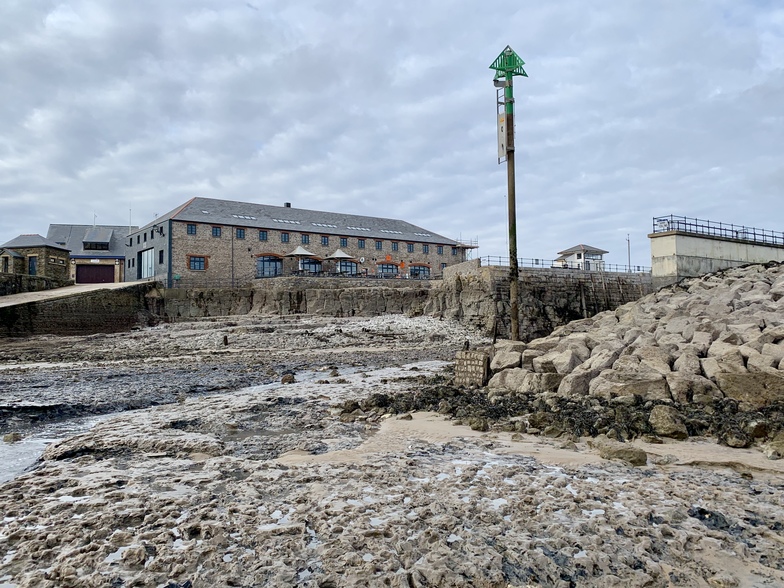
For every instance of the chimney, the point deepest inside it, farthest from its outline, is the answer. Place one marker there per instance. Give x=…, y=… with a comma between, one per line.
x=287, y=205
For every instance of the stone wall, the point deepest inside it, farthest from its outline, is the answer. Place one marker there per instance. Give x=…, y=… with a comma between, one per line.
x=100, y=311
x=17, y=284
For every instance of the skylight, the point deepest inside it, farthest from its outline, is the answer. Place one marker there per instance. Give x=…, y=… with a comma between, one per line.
x=282, y=220
x=358, y=228
x=423, y=234
x=246, y=217
x=324, y=225
x=391, y=232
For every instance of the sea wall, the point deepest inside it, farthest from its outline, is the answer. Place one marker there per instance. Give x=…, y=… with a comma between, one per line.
x=99, y=311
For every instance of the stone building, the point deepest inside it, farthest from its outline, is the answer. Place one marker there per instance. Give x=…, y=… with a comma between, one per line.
x=582, y=257
x=34, y=255
x=97, y=251
x=213, y=242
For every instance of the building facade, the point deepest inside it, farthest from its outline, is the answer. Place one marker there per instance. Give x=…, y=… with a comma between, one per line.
x=219, y=243
x=34, y=255
x=582, y=257
x=97, y=251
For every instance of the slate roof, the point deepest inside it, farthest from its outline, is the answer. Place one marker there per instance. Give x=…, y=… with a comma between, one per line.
x=23, y=241
x=264, y=216
x=10, y=253
x=581, y=249
x=75, y=236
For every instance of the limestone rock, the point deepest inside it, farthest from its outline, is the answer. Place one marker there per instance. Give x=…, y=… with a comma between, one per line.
x=527, y=360
x=510, y=380
x=752, y=390
x=667, y=422
x=685, y=387
x=534, y=383
x=623, y=452
x=688, y=363
x=505, y=359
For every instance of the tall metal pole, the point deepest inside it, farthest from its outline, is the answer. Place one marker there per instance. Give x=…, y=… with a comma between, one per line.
x=514, y=272
x=508, y=64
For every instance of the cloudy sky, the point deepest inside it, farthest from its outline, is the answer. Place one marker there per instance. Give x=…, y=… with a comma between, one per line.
x=631, y=110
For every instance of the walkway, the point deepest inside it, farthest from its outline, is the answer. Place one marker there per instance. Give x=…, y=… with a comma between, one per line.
x=25, y=297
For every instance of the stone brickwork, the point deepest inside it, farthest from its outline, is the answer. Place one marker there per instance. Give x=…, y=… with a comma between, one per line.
x=17, y=284
x=472, y=368
x=230, y=260
x=50, y=262
x=100, y=311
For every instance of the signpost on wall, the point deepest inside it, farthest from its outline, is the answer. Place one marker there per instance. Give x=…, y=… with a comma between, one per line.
x=507, y=65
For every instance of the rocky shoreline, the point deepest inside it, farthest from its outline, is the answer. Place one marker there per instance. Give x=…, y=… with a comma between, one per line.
x=370, y=468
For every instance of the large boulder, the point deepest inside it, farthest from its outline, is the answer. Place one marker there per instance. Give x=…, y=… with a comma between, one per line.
x=534, y=383
x=556, y=362
x=687, y=388
x=505, y=359
x=667, y=422
x=752, y=390
x=509, y=380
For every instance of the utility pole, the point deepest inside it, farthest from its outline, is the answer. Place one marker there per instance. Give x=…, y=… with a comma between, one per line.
x=628, y=253
x=507, y=65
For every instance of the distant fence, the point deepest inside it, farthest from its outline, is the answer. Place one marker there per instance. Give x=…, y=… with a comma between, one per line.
x=696, y=226
x=590, y=265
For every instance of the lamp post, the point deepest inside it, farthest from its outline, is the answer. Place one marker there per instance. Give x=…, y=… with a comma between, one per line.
x=507, y=65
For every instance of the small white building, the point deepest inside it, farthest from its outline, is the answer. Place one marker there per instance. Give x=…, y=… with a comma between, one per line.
x=582, y=257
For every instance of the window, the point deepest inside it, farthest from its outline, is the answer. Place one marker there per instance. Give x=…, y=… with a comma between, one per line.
x=129, y=263
x=160, y=256
x=419, y=271
x=324, y=240
x=145, y=237
x=216, y=231
x=147, y=263
x=130, y=242
x=425, y=248
x=268, y=266
x=347, y=267
x=284, y=237
x=305, y=238
x=262, y=235
x=311, y=266
x=454, y=250
x=152, y=234
x=95, y=246
x=138, y=239
x=579, y=256
x=394, y=245
x=191, y=229
x=443, y=265
x=387, y=269
x=197, y=263
x=410, y=247
x=440, y=249
x=379, y=245
x=361, y=243
x=343, y=242
x=240, y=233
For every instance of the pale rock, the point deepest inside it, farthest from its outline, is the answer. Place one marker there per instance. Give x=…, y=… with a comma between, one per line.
x=729, y=363
x=756, y=362
x=560, y=362
x=535, y=383
x=577, y=345
x=702, y=341
x=685, y=387
x=655, y=358
x=612, y=450
x=527, y=360
x=775, y=352
x=774, y=449
x=746, y=331
x=724, y=345
x=509, y=380
x=667, y=422
x=509, y=345
x=678, y=324
x=752, y=390
x=504, y=360
x=544, y=344
x=688, y=363
x=644, y=382
x=577, y=383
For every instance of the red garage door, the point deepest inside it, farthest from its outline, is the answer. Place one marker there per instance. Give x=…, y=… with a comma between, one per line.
x=94, y=274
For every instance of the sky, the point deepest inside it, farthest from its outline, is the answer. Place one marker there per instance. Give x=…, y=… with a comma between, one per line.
x=114, y=111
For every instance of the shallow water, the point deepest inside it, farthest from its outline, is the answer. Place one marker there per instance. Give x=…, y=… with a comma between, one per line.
x=16, y=458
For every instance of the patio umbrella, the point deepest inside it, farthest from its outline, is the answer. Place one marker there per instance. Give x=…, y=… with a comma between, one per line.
x=339, y=254
x=300, y=253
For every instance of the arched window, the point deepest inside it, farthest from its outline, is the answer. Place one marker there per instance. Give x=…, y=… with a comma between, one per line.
x=268, y=266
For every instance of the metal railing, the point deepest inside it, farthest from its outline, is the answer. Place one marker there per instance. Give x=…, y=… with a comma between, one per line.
x=357, y=276
x=589, y=265
x=696, y=226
